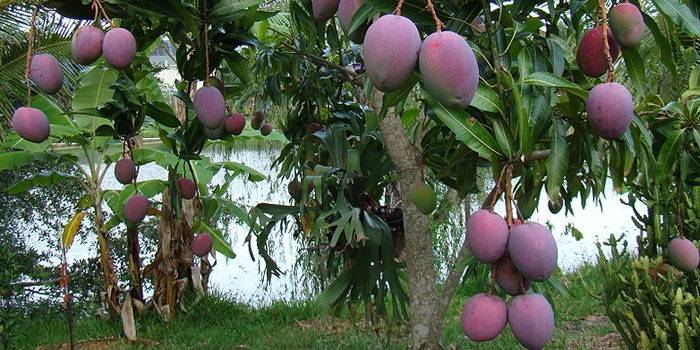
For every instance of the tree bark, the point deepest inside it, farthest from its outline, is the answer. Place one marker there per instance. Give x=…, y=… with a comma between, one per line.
x=418, y=254
x=109, y=277
x=132, y=237
x=170, y=268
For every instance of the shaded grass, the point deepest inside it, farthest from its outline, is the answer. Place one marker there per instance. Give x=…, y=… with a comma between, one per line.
x=218, y=322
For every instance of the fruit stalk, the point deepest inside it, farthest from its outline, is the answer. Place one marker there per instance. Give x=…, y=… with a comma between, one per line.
x=509, y=194
x=497, y=65
x=398, y=8
x=30, y=43
x=492, y=198
x=679, y=189
x=205, y=29
x=104, y=13
x=438, y=23
x=606, y=47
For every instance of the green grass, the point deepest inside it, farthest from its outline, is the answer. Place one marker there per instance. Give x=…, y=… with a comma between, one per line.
x=218, y=322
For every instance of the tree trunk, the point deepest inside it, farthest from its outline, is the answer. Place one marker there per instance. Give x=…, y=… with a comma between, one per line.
x=170, y=268
x=132, y=237
x=418, y=254
x=109, y=277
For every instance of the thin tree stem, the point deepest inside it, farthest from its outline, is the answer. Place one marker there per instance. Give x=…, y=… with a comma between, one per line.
x=398, y=8
x=30, y=44
x=509, y=195
x=488, y=22
x=438, y=23
x=205, y=29
x=606, y=48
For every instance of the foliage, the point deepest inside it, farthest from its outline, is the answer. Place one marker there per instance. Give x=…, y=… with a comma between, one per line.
x=652, y=305
x=53, y=36
x=528, y=121
x=667, y=182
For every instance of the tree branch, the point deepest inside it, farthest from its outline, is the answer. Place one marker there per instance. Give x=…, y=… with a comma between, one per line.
x=497, y=62
x=346, y=74
x=455, y=274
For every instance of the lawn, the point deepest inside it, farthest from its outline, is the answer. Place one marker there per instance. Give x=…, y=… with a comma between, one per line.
x=219, y=322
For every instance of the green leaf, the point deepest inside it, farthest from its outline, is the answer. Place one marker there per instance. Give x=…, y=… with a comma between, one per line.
x=95, y=89
x=53, y=113
x=680, y=14
x=148, y=188
x=504, y=138
x=664, y=45
x=556, y=57
x=365, y=13
x=336, y=290
x=45, y=179
x=557, y=161
x=240, y=67
x=487, y=100
x=228, y=10
x=555, y=81
x=220, y=244
x=523, y=118
x=240, y=168
x=668, y=155
x=14, y=160
x=467, y=130
x=635, y=67
x=147, y=155
x=162, y=113
x=393, y=98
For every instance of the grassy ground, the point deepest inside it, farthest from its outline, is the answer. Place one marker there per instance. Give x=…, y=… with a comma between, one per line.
x=217, y=322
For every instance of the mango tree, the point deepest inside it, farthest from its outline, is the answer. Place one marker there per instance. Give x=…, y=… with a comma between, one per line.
x=118, y=94
x=451, y=87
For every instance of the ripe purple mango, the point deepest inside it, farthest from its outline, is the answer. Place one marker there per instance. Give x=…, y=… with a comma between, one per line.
x=390, y=51
x=136, y=208
x=627, y=24
x=484, y=316
x=448, y=69
x=119, y=47
x=210, y=106
x=590, y=55
x=86, y=45
x=265, y=129
x=258, y=120
x=531, y=320
x=683, y=254
x=610, y=110
x=235, y=123
x=533, y=251
x=31, y=124
x=487, y=235
x=324, y=9
x=125, y=171
x=46, y=72
x=346, y=11
x=186, y=188
x=509, y=278
x=202, y=244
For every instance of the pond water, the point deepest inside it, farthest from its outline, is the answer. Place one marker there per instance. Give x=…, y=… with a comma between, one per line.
x=241, y=277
